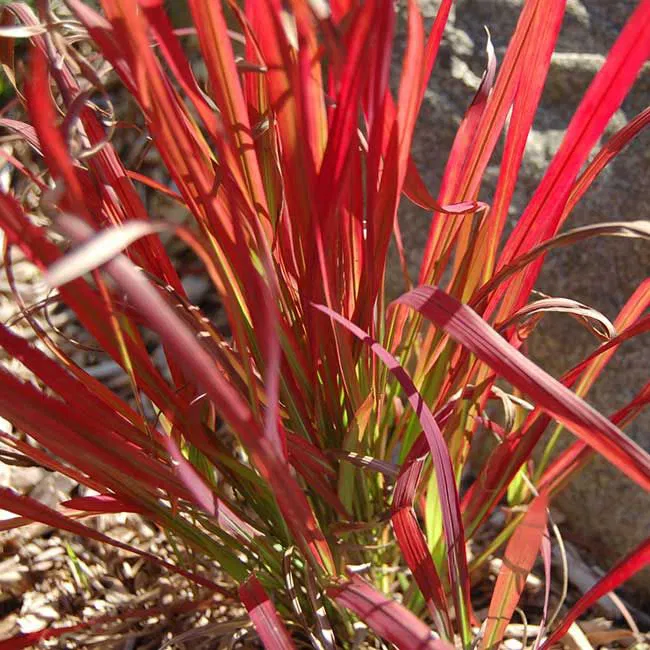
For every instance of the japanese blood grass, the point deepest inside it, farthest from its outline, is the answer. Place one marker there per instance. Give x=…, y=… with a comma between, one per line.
x=313, y=456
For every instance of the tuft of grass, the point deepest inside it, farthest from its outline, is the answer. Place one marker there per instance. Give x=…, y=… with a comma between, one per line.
x=314, y=454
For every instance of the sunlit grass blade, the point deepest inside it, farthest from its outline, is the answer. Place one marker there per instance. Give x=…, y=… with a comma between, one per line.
x=535, y=63
x=374, y=464
x=473, y=147
x=518, y=560
x=105, y=245
x=261, y=153
x=608, y=152
x=228, y=94
x=91, y=310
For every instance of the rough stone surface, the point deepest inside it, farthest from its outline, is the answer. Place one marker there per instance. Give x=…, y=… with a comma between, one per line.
x=606, y=512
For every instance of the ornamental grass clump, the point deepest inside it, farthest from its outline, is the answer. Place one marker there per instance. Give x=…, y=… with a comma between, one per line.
x=313, y=453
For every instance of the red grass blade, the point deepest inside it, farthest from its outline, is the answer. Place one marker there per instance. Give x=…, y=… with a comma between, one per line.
x=90, y=399
x=545, y=212
x=471, y=331
x=418, y=558
x=610, y=150
x=579, y=453
x=632, y=563
x=37, y=247
x=225, y=84
x=265, y=618
x=413, y=544
x=537, y=53
x=387, y=618
x=175, y=57
x=466, y=136
x=84, y=443
x=477, y=138
x=630, y=322
x=44, y=119
x=518, y=560
x=383, y=211
x=412, y=541
x=44, y=459
x=101, y=503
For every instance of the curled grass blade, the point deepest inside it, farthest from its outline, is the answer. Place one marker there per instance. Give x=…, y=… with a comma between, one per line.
x=630, y=322
x=635, y=229
x=595, y=321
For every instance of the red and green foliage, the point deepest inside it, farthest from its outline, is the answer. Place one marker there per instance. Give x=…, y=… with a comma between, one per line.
x=326, y=419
